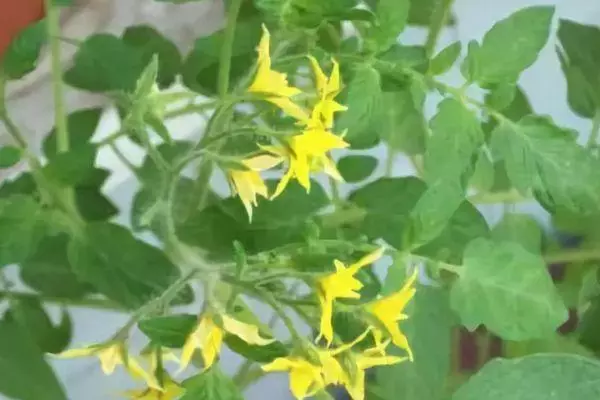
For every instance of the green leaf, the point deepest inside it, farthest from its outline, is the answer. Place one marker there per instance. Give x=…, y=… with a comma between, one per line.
x=149, y=42
x=31, y=316
x=211, y=384
x=429, y=332
x=179, y=1
x=119, y=266
x=355, y=168
x=501, y=95
x=510, y=46
x=73, y=167
x=261, y=354
x=400, y=121
x=21, y=227
x=445, y=59
x=48, y=270
x=292, y=207
x=509, y=290
x=391, y=18
x=9, y=156
x=580, y=60
x=105, y=63
x=548, y=376
x=520, y=229
x=364, y=93
x=455, y=140
x=22, y=54
x=24, y=374
x=546, y=159
x=82, y=126
x=483, y=173
x=170, y=330
x=589, y=326
x=200, y=69
x=422, y=11
x=388, y=204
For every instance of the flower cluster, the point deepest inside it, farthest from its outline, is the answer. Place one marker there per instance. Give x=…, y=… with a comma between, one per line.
x=305, y=152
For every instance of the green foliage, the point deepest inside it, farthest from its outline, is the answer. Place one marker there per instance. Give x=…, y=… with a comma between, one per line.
x=356, y=168
x=23, y=363
x=22, y=225
x=391, y=17
x=580, y=57
x=542, y=157
x=516, y=298
x=520, y=229
x=21, y=56
x=509, y=47
x=556, y=376
x=445, y=59
x=170, y=330
x=119, y=266
x=82, y=126
x=364, y=93
x=211, y=384
x=10, y=156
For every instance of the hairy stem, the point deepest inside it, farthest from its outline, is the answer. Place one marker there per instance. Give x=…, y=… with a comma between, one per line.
x=60, y=116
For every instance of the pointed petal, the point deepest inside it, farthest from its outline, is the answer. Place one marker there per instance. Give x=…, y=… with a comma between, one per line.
x=285, y=179
x=211, y=338
x=320, y=78
x=75, y=353
x=303, y=378
x=325, y=326
x=110, y=357
x=248, y=333
x=136, y=370
x=330, y=169
x=334, y=85
x=368, y=259
x=290, y=108
x=278, y=365
x=189, y=347
x=262, y=162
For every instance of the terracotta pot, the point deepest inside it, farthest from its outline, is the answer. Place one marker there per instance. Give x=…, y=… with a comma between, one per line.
x=15, y=15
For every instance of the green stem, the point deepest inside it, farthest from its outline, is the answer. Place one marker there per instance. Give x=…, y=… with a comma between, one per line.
x=570, y=256
x=438, y=21
x=335, y=192
x=84, y=302
x=227, y=48
x=60, y=116
x=389, y=161
x=122, y=158
x=593, y=139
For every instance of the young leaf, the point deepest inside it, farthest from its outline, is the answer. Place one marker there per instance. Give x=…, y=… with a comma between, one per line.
x=24, y=374
x=21, y=55
x=548, y=376
x=21, y=227
x=364, y=93
x=82, y=126
x=105, y=63
x=170, y=330
x=73, y=167
x=545, y=158
x=149, y=42
x=400, y=121
x=261, y=354
x=36, y=323
x=355, y=168
x=445, y=59
x=456, y=137
x=9, y=156
x=510, y=46
x=580, y=60
x=483, y=173
x=211, y=384
x=520, y=229
x=48, y=271
x=509, y=290
x=119, y=266
x=391, y=17
x=429, y=332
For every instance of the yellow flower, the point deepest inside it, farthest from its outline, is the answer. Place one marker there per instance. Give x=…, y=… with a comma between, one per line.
x=340, y=284
x=274, y=84
x=369, y=358
x=328, y=89
x=389, y=310
x=248, y=184
x=111, y=355
x=170, y=391
x=208, y=337
x=305, y=378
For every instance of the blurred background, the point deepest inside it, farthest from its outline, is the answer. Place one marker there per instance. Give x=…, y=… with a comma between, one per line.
x=30, y=102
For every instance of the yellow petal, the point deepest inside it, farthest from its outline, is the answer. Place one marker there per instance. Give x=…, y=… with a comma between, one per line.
x=285, y=179
x=330, y=169
x=264, y=47
x=136, y=370
x=326, y=327
x=192, y=342
x=365, y=362
x=290, y=108
x=278, y=365
x=356, y=388
x=110, y=357
x=75, y=353
x=262, y=162
x=368, y=259
x=211, y=338
x=334, y=85
x=248, y=333
x=303, y=378
x=320, y=78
